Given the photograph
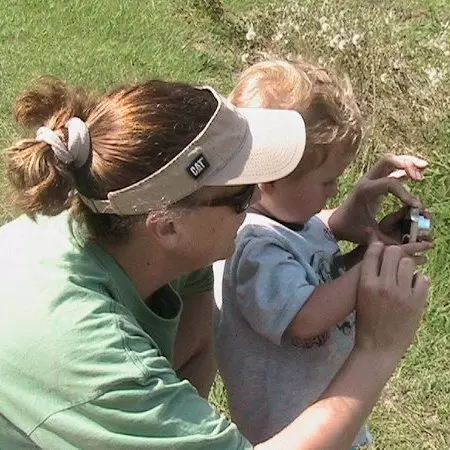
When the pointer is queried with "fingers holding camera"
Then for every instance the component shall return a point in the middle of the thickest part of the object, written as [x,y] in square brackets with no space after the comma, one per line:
[390,227]
[412,248]
[394,228]
[389,233]
[415,250]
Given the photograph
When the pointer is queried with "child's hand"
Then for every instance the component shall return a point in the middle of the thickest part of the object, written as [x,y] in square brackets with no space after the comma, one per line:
[359,210]
[391,226]
[398,167]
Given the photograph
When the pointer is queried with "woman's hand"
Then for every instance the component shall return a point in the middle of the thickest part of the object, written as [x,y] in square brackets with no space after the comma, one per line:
[391,298]
[358,212]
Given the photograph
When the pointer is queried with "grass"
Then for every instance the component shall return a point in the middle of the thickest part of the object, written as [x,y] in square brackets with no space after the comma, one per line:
[99,44]
[397,54]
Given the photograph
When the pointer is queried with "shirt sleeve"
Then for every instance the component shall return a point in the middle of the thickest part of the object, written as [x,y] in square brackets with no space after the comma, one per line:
[145,406]
[201,280]
[271,287]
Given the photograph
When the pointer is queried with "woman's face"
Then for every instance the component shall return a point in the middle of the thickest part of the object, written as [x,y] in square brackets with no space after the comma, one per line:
[209,232]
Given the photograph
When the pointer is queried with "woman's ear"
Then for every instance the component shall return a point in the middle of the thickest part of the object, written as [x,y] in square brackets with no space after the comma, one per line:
[163,229]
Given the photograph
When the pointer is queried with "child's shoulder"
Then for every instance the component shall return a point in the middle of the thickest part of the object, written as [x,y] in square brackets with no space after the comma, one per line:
[321,231]
[259,226]
[259,231]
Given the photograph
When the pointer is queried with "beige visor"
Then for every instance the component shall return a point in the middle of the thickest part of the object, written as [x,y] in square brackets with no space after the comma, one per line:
[238,146]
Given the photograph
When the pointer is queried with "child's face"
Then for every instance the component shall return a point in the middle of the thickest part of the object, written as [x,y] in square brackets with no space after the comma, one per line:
[297,200]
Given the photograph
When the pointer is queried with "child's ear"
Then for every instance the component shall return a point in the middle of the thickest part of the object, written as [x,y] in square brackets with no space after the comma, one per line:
[267,188]
[163,230]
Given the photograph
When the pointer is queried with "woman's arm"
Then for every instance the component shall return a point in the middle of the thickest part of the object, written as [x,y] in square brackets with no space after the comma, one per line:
[335,419]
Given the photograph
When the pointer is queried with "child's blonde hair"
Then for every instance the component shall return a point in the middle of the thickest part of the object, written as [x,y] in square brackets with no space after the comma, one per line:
[326,103]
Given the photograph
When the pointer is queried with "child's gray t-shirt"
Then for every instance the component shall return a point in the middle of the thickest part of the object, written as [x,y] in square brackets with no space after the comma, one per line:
[271,379]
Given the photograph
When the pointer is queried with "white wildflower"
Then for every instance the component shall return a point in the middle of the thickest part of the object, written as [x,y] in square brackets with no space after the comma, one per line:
[251,34]
[435,75]
[342,44]
[325,27]
[440,43]
[334,41]
[277,37]
[244,57]
[426,115]
[384,77]
[356,39]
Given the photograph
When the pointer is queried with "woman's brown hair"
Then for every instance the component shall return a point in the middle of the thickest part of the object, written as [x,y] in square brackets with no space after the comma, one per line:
[134,131]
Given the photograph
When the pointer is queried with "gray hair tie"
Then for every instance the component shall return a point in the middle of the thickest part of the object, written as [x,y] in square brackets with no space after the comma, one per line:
[78,146]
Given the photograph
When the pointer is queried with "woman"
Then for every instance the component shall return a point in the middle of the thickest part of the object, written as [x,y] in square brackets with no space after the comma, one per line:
[123,195]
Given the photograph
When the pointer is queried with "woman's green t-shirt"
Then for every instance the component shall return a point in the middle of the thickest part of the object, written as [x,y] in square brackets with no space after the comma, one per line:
[84,363]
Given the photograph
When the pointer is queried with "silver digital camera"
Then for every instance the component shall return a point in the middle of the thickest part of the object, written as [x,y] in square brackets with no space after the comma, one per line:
[416,226]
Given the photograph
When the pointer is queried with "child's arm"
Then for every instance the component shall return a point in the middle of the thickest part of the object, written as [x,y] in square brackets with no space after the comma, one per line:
[275,294]
[269,287]
[328,305]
